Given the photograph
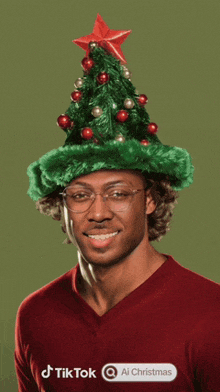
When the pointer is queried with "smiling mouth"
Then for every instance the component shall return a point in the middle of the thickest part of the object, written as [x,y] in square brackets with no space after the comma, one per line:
[102,237]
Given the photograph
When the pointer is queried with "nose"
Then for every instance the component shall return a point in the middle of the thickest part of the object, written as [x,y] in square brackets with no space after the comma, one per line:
[99,211]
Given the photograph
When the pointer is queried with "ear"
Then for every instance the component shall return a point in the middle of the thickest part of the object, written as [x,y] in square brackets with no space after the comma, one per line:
[150,203]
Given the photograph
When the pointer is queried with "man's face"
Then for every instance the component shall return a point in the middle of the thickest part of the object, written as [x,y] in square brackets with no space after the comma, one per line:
[129,227]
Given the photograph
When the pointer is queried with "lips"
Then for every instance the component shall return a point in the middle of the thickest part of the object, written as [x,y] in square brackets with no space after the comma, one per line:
[102,236]
[101,239]
[100,232]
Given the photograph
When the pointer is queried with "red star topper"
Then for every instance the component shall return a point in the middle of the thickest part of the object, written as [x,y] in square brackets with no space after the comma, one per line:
[108,39]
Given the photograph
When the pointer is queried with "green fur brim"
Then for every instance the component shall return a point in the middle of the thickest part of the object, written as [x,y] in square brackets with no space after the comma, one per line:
[59,167]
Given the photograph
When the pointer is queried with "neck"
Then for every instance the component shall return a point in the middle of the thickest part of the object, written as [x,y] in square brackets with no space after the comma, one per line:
[102,287]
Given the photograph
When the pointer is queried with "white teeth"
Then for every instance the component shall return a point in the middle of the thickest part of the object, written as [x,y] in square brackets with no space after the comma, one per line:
[103,236]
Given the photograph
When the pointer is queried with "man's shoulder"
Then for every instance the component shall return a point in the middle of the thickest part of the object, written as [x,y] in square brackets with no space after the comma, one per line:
[198,279]
[195,284]
[48,295]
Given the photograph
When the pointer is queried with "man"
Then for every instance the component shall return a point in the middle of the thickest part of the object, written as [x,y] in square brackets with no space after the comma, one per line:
[126,317]
[106,238]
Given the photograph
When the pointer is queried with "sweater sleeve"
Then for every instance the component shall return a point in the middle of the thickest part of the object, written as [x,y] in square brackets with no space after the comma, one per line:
[205,354]
[26,382]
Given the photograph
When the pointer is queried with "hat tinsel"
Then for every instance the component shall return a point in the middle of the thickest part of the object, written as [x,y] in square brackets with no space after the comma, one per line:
[107,125]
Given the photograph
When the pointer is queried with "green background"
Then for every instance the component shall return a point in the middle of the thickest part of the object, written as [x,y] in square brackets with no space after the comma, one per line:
[173,54]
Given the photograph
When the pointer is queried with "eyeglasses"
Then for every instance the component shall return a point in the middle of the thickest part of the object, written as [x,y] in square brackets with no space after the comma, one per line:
[117,198]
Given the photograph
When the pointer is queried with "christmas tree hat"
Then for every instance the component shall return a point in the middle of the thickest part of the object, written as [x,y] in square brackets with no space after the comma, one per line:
[106,124]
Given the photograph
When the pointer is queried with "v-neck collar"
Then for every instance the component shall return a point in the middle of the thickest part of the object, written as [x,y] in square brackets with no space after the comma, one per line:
[150,285]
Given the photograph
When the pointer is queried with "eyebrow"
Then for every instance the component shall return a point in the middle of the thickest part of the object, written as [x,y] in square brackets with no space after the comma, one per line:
[108,184]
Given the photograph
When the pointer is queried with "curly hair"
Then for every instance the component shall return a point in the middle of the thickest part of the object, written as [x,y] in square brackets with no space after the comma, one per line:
[160,189]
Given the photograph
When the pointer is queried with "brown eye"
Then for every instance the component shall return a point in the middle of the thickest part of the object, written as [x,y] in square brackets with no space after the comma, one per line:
[118,194]
[79,196]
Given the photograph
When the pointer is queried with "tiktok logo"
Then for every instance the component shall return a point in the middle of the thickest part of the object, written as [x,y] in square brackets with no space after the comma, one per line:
[68,373]
[46,372]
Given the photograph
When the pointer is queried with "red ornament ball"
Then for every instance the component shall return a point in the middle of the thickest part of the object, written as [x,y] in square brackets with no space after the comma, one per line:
[152,128]
[142,99]
[87,133]
[64,121]
[145,142]
[87,63]
[76,96]
[122,116]
[103,78]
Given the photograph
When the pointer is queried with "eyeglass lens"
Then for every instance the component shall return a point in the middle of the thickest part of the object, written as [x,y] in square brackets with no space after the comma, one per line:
[81,199]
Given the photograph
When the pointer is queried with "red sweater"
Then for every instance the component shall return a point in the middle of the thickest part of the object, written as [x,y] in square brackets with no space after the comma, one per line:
[172,318]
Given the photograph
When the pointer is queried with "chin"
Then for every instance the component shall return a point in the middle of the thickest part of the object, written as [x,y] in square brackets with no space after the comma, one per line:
[105,260]
[109,256]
